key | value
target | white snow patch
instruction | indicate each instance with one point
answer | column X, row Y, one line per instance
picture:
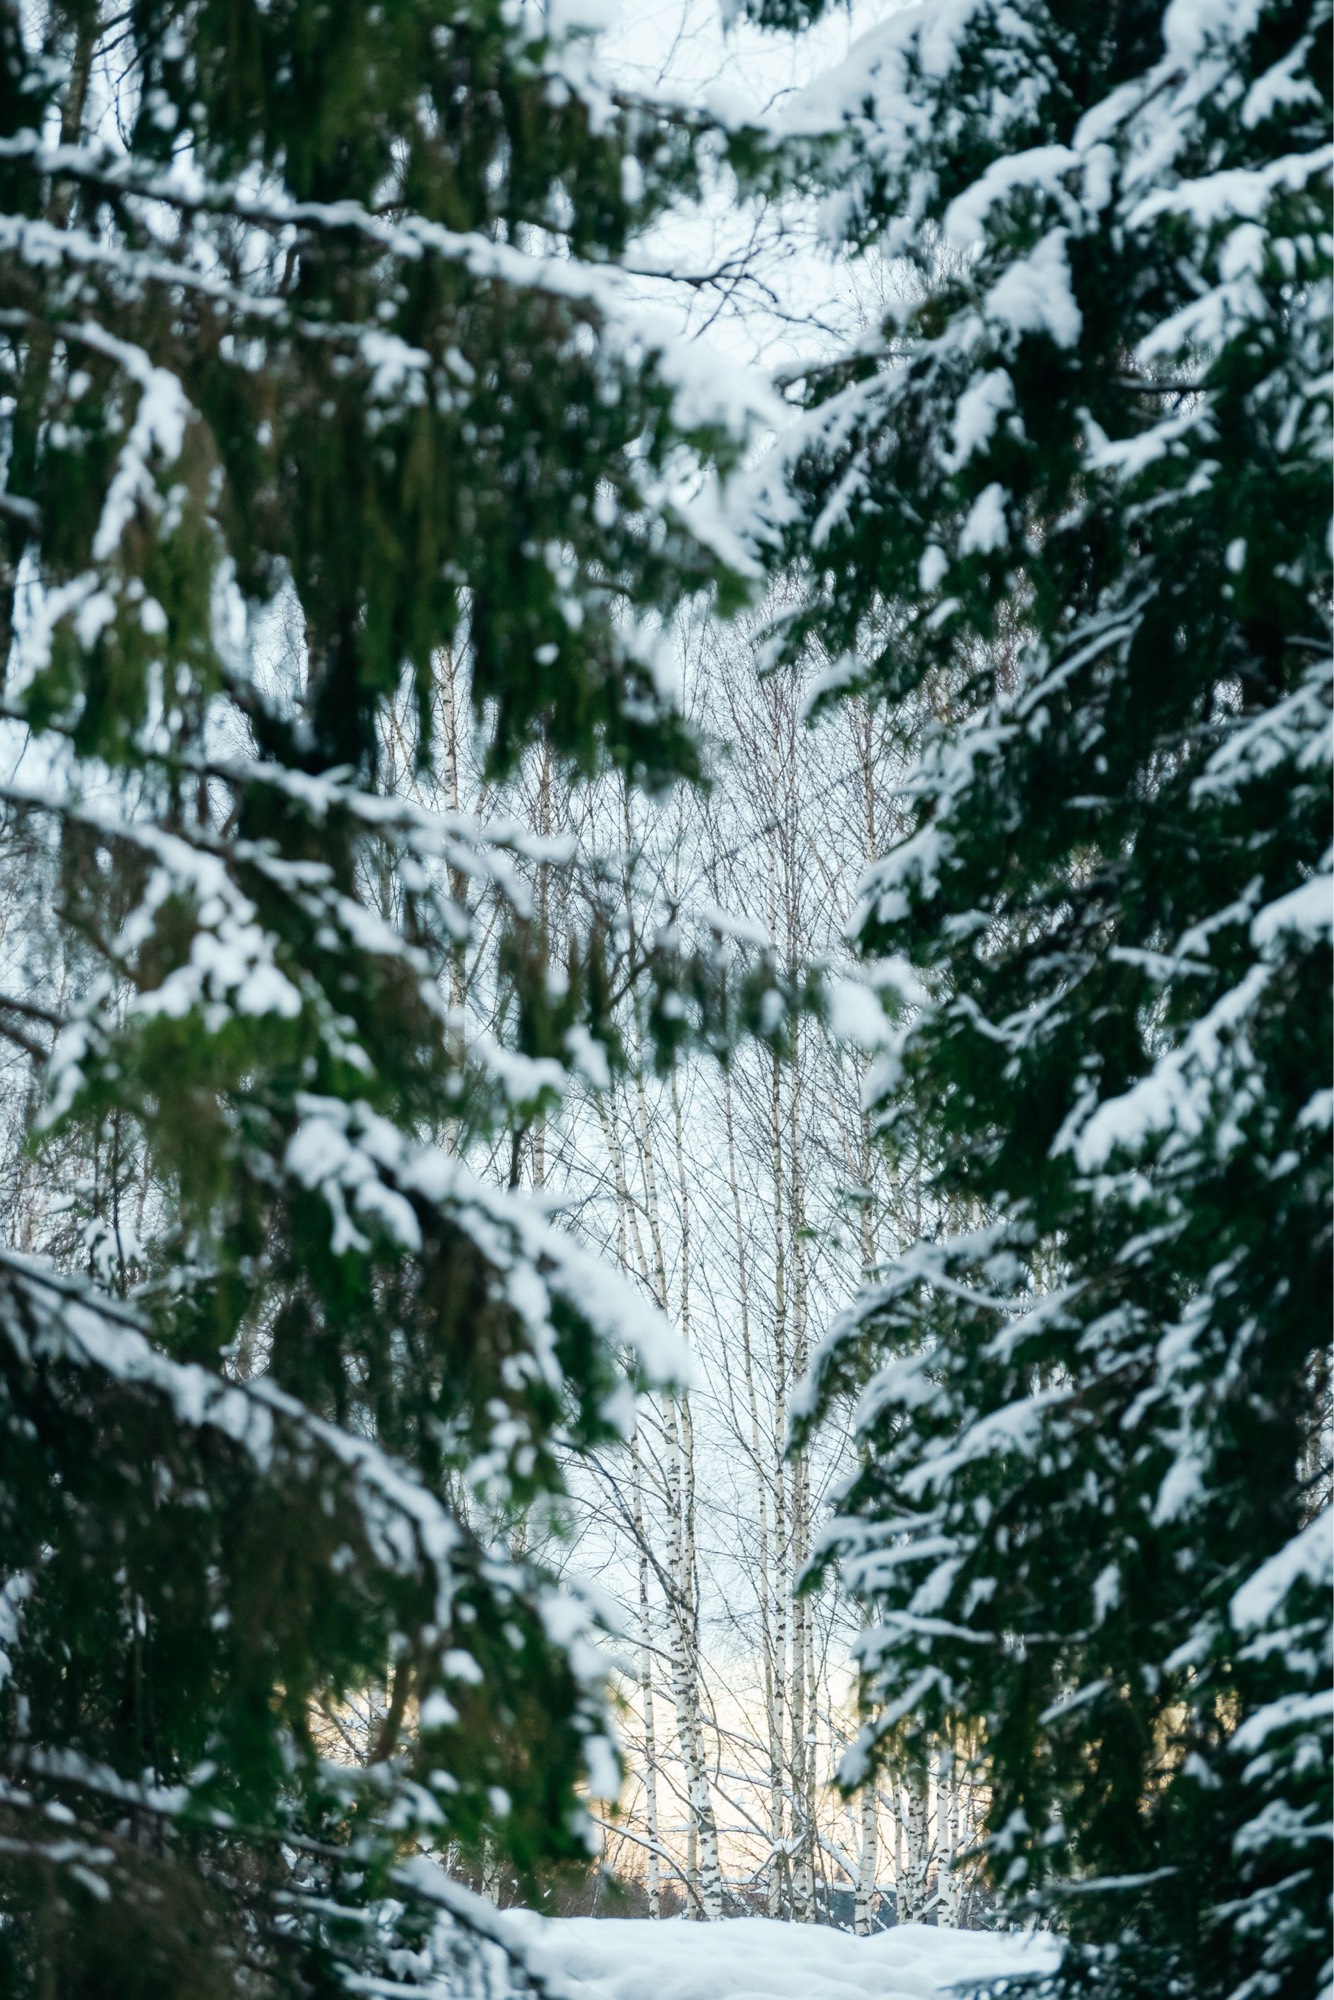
column 856, row 1015
column 976, row 415
column 1308, row 1556
column 756, row 1958
column 1034, row 294
column 985, row 528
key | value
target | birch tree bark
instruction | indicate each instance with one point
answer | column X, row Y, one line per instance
column 864, row 1909
column 915, row 1893
column 779, row 1865
column 948, row 1880
column 900, row 1872
column 652, row 1866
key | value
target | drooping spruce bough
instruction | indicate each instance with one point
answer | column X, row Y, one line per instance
column 1082, row 481
column 312, row 363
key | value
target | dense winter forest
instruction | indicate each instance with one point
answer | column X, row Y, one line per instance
column 665, row 1001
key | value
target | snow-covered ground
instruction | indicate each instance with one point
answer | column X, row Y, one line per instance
column 752, row 1958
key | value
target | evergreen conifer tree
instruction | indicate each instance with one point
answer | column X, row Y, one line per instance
column 1087, row 470
column 311, row 364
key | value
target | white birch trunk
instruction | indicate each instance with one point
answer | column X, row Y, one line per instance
column 949, row 1878
column 653, row 1877
column 703, row 1872
column 762, row 1484
column 900, row 1873
column 779, row 1863
column 802, row 1761
column 704, row 1875
column 915, row 1894
column 864, row 1908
